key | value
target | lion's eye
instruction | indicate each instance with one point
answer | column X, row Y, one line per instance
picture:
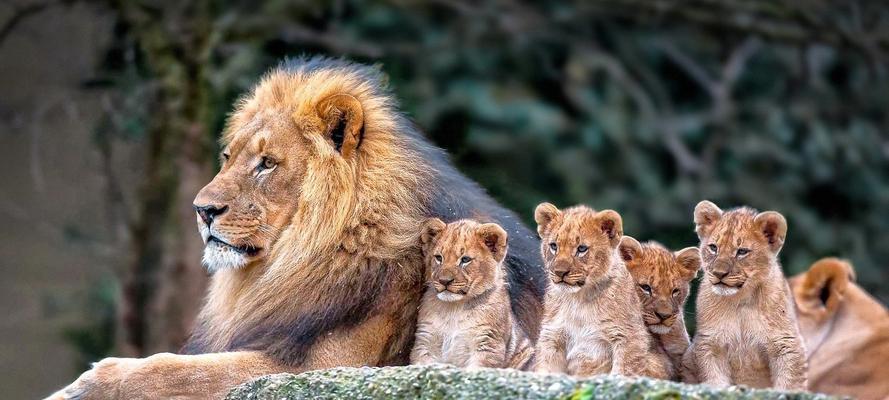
column 553, row 247
column 743, row 252
column 438, row 258
column 712, row 248
column 675, row 292
column 646, row 289
column 267, row 163
column 225, row 156
column 582, row 249
column 465, row 260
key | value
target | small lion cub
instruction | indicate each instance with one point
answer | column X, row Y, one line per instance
column 662, row 283
column 747, row 331
column 592, row 321
column 465, row 316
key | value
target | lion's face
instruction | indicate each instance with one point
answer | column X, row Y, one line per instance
column 462, row 258
column 662, row 280
column 577, row 244
column 738, row 247
column 257, row 191
column 243, row 209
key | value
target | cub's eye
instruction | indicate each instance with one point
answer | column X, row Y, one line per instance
column 582, row 249
column 267, row 163
column 646, row 289
column 553, row 247
column 225, row 156
column 438, row 258
column 675, row 292
column 712, row 248
column 465, row 260
column 742, row 252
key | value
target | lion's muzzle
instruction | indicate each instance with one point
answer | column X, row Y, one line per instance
column 209, row 211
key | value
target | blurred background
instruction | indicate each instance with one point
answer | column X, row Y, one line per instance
column 110, row 111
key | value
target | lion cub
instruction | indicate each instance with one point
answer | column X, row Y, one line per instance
column 662, row 282
column 747, row 332
column 465, row 316
column 592, row 322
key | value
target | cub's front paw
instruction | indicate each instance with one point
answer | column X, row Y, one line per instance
column 102, row 381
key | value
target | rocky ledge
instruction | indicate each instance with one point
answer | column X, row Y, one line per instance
column 445, row 382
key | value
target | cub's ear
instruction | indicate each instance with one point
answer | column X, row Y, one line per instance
column 430, row 231
column 706, row 214
column 343, row 119
column 494, row 238
column 544, row 215
column 630, row 250
column 773, row 227
column 612, row 225
column 689, row 259
column 826, row 282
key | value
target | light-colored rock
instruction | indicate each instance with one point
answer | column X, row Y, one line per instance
column 445, row 382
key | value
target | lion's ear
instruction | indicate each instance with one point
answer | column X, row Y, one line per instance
column 689, row 259
column 544, row 215
column 629, row 250
column 494, row 238
column 706, row 215
column 773, row 228
column 343, row 120
column 826, row 282
column 430, row 231
column 611, row 224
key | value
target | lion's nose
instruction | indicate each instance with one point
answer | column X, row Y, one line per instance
column 209, row 212
column 445, row 281
column 662, row 316
column 719, row 274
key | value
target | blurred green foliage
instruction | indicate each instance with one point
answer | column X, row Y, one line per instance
column 570, row 102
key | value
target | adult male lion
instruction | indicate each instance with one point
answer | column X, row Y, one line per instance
column 846, row 332
column 311, row 229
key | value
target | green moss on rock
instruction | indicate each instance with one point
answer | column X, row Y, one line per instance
column 444, row 382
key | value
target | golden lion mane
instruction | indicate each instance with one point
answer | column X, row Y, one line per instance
column 351, row 250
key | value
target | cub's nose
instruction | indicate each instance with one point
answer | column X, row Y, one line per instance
column 208, row 212
column 719, row 274
column 663, row 316
column 445, row 281
column 560, row 272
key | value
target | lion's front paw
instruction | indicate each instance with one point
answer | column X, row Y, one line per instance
column 100, row 382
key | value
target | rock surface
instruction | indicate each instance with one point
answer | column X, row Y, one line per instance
column 445, row 382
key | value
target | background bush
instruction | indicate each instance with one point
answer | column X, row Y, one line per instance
column 645, row 107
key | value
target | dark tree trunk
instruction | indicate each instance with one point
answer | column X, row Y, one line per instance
column 164, row 283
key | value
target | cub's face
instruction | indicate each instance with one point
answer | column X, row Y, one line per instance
column 577, row 244
column 463, row 258
column 738, row 247
column 662, row 280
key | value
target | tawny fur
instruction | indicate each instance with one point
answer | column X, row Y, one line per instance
column 465, row 317
column 846, row 332
column 746, row 325
column 315, row 262
column 662, row 282
column 592, row 317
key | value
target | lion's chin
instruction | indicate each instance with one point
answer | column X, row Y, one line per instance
column 566, row 288
column 218, row 256
column 724, row 290
column 659, row 329
column 449, row 296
